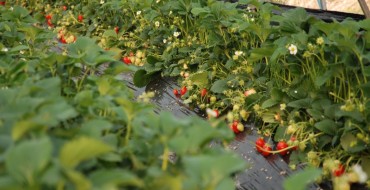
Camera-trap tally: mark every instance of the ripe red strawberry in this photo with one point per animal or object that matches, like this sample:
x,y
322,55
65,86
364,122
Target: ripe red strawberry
x,y
80,18
126,60
48,16
260,142
2,3
282,145
63,40
183,90
234,127
339,171
49,23
116,29
175,92
266,150
203,92
64,8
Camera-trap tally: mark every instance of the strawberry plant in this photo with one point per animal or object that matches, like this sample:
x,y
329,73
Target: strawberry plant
x,y
66,123
292,75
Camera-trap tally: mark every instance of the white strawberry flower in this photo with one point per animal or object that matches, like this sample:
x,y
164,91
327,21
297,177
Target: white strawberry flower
x,y
4,49
138,13
176,34
293,49
239,53
282,107
320,40
157,23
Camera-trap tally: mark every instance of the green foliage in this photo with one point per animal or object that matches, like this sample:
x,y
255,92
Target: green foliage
x,y
293,71
300,180
68,122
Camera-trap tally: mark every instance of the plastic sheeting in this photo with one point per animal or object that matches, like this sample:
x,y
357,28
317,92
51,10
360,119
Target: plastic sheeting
x,y
349,6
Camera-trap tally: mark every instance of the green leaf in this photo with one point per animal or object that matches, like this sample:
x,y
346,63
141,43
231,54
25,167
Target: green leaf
x,y
300,180
104,58
269,118
20,128
152,60
277,94
197,11
300,37
95,127
299,14
269,103
52,114
355,114
280,134
31,32
322,141
142,78
18,48
219,86
52,175
27,160
365,24
261,53
211,168
303,103
84,48
200,79
9,183
316,114
327,126
320,80
109,33
103,86
350,143
366,89
199,137
81,149
116,177
79,180
84,98
367,71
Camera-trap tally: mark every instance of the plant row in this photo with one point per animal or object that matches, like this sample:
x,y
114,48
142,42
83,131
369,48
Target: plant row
x,y
293,75
66,123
